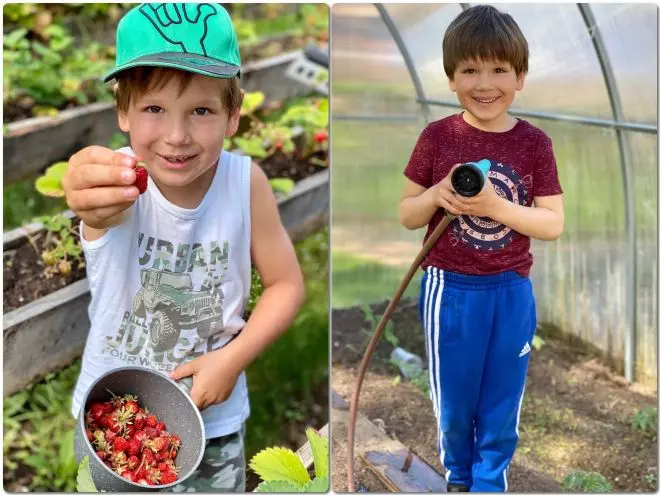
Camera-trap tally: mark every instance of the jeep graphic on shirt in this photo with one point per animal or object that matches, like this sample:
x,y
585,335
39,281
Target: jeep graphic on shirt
x,y
177,312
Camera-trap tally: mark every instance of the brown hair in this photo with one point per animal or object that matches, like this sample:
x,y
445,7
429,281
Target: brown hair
x,y
484,33
133,83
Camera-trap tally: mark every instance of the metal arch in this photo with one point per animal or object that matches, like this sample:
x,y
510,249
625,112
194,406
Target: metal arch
x,y
396,36
624,153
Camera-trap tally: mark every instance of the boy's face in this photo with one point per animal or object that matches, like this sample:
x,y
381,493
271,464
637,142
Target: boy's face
x,y
180,137
486,88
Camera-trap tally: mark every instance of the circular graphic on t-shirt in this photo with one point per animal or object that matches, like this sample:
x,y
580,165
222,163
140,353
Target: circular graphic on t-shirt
x,y
483,233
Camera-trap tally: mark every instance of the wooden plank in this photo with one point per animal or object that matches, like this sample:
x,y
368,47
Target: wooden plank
x,y
305,452
396,465
404,471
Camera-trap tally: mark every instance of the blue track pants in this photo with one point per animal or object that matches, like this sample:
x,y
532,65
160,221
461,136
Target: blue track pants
x,y
479,331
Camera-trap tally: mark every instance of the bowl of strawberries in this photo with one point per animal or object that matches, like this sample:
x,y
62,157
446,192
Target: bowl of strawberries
x,y
140,431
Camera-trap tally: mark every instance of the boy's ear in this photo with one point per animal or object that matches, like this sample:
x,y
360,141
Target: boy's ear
x,y
520,83
123,121
234,118
452,84
232,122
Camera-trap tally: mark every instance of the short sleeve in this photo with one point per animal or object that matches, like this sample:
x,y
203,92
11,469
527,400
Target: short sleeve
x,y
420,165
546,177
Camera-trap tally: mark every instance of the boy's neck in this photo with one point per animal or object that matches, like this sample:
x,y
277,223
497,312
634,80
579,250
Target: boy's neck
x,y
503,123
191,195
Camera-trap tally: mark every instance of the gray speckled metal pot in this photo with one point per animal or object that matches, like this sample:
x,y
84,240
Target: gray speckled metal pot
x,y
163,397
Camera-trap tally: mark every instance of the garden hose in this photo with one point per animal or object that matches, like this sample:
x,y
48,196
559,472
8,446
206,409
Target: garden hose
x,y
430,242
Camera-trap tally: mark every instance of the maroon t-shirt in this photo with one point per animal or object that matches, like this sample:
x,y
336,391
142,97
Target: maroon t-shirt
x,y
523,167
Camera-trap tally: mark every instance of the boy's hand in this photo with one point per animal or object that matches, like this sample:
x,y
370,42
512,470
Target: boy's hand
x,y
99,186
485,204
214,377
446,197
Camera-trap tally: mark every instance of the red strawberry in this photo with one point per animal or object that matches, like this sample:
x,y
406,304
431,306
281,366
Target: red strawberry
x,y
121,444
168,477
151,432
279,144
158,444
131,404
151,421
97,410
160,426
109,435
127,475
134,446
101,454
90,435
320,135
140,436
133,462
141,176
148,457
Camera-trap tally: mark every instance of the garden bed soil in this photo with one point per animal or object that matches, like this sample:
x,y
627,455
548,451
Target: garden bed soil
x,y
576,413
23,270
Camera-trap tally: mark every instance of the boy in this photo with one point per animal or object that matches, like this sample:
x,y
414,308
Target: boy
x,y
476,301
169,270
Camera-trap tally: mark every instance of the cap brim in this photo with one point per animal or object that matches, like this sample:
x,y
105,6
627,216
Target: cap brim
x,y
182,61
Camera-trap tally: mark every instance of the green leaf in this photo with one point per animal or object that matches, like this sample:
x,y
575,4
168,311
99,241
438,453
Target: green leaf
x,y
282,184
537,343
84,480
252,101
318,485
278,486
252,147
279,464
319,445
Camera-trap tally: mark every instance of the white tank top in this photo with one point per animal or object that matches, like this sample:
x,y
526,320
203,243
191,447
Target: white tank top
x,y
170,284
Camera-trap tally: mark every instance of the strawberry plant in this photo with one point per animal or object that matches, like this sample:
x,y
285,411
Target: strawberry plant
x,y
281,470
586,481
61,247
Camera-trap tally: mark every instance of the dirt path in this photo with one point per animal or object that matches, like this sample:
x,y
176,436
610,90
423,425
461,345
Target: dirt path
x,y
576,413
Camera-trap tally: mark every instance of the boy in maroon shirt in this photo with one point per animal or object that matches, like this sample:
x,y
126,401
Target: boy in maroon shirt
x,y
476,302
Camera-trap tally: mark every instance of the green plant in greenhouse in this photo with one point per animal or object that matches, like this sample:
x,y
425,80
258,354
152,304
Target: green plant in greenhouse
x,y
282,471
586,481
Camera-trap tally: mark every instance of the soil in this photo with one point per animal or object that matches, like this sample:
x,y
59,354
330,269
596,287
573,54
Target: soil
x,y
24,279
576,414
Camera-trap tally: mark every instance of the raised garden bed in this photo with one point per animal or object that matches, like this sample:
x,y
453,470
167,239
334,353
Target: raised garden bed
x,y
32,144
49,332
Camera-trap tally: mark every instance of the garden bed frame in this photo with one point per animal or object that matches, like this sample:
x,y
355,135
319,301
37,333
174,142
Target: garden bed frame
x,y
49,333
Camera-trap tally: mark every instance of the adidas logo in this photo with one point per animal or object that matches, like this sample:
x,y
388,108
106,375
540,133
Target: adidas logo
x,y
526,349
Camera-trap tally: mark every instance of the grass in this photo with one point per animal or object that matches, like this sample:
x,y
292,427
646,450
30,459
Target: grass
x,y
38,426
357,281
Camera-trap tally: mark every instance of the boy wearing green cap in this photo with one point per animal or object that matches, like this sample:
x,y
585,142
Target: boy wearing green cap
x,y
169,270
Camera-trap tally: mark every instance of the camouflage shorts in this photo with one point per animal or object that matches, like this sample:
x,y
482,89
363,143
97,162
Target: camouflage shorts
x,y
222,468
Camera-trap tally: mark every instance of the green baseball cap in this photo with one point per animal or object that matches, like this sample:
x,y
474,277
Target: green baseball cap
x,y
195,37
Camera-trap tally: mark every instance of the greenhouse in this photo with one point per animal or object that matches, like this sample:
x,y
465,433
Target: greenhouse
x,y
592,87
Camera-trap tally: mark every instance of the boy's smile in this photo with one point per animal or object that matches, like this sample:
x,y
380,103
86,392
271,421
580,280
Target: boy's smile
x,y
180,136
486,89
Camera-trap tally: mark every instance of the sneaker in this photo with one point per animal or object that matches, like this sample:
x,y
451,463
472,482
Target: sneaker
x,y
451,487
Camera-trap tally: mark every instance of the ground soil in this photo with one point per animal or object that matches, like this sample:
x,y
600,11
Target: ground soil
x,y
24,278
576,414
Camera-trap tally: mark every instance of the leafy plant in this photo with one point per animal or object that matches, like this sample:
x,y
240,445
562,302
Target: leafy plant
x,y
61,247
38,433
281,470
646,421
388,332
586,481
267,136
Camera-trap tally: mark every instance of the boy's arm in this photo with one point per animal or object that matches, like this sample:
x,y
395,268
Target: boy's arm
x,y
273,255
544,222
419,204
